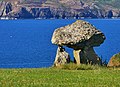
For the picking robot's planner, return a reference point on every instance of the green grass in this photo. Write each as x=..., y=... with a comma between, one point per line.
x=51, y=77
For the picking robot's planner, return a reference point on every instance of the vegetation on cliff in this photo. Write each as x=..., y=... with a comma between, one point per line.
x=60, y=8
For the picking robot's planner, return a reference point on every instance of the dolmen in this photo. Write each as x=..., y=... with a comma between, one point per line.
x=80, y=36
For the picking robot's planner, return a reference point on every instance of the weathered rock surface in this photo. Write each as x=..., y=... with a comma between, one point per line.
x=78, y=35
x=5, y=8
x=82, y=37
x=62, y=57
x=114, y=61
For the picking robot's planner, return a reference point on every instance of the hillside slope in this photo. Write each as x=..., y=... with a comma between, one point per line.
x=59, y=9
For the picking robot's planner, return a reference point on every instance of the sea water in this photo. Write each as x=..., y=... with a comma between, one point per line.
x=27, y=43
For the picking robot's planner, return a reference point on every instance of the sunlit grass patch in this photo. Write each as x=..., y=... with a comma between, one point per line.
x=53, y=77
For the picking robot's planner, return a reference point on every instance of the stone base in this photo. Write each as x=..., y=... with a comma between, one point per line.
x=86, y=56
x=82, y=56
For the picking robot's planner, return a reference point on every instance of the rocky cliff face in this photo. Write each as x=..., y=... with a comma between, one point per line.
x=55, y=9
x=22, y=11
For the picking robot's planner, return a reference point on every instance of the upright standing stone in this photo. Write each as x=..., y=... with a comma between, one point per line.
x=62, y=57
x=76, y=54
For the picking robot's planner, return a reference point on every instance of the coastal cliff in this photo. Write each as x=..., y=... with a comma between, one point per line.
x=45, y=9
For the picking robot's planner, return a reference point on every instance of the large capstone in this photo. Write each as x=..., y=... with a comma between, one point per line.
x=82, y=37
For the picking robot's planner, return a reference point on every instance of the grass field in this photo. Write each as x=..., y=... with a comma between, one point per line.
x=47, y=77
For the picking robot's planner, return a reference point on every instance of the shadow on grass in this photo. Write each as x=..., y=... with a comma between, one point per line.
x=73, y=66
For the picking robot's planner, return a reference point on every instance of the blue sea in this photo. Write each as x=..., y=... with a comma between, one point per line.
x=27, y=43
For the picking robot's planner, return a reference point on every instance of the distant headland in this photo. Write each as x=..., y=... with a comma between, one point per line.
x=59, y=9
